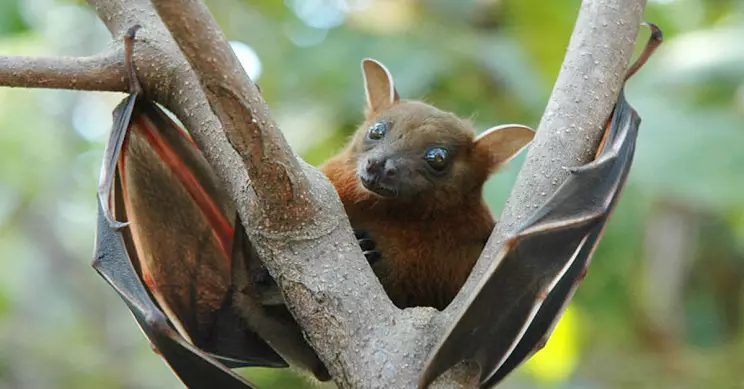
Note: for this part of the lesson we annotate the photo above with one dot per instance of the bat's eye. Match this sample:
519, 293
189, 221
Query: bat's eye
436, 157
377, 131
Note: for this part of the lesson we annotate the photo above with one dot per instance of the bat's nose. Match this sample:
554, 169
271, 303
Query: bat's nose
380, 167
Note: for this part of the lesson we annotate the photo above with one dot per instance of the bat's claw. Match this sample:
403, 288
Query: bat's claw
134, 84
656, 32
359, 233
372, 256
368, 246
262, 278
115, 224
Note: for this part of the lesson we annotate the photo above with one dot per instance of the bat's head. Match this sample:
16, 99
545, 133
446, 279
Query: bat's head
410, 150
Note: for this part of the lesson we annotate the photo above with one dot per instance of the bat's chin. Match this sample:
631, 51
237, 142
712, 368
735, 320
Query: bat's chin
381, 189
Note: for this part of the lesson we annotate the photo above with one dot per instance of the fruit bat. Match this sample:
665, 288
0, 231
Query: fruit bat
165, 243
520, 298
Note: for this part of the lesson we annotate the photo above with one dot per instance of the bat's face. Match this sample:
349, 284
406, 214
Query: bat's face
413, 150
416, 154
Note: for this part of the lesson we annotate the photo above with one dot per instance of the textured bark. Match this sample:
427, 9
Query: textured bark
103, 72
291, 212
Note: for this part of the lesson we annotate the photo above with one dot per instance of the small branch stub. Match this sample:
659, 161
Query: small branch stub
102, 72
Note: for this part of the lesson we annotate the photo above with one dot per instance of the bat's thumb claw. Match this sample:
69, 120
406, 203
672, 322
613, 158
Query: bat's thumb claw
115, 224
132, 31
656, 32
569, 169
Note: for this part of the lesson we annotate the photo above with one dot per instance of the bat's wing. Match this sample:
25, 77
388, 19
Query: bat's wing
525, 291
178, 238
165, 245
195, 368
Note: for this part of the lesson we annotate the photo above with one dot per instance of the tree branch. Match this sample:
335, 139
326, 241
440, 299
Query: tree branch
583, 97
102, 72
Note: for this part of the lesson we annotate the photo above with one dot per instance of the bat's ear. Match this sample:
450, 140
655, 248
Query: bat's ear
499, 144
379, 86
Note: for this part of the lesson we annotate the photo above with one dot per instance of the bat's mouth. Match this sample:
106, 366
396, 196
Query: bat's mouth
373, 184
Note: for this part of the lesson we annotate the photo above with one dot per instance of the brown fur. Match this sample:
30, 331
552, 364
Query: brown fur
430, 234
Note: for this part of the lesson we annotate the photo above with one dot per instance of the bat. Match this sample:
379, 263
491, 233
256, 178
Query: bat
173, 260
520, 298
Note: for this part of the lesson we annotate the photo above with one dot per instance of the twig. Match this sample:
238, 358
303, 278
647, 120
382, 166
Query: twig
102, 72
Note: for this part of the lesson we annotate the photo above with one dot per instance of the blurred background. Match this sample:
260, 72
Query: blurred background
663, 303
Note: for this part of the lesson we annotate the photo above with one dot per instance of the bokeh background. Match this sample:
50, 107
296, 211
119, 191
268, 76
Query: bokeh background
661, 307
